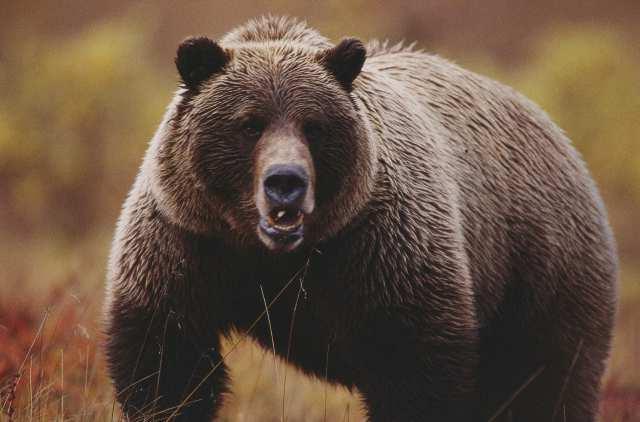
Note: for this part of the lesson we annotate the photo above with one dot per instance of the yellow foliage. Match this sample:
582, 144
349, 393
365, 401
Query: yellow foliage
588, 81
74, 122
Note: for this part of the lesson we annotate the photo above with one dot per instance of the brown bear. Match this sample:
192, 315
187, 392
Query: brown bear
420, 233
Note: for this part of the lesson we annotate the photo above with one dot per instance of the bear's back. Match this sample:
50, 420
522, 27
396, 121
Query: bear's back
527, 204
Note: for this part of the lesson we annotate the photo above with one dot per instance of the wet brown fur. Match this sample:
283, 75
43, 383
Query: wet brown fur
458, 251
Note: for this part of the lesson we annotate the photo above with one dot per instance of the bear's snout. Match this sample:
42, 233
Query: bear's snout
284, 189
286, 185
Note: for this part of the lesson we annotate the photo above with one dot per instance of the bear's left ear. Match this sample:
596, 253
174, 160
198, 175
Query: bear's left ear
199, 58
344, 61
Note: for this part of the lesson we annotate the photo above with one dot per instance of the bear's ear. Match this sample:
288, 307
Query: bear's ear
199, 58
344, 61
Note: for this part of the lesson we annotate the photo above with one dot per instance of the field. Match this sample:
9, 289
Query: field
52, 368
79, 101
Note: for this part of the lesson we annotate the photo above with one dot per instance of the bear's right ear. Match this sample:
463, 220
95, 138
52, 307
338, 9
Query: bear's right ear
199, 58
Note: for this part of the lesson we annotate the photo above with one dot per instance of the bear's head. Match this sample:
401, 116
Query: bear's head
265, 141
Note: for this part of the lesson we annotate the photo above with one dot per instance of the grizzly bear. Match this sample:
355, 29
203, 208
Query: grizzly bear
420, 233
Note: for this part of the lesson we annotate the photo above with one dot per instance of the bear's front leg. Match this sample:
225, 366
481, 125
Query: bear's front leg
162, 319
417, 367
162, 366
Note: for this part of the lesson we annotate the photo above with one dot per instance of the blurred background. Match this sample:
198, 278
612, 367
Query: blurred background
83, 86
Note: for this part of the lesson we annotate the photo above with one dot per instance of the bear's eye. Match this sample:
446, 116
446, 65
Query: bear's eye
314, 131
253, 128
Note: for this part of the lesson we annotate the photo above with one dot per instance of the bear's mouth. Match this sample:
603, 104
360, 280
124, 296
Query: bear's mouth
285, 220
282, 228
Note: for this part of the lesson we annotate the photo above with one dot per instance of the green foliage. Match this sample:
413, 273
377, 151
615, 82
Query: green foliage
74, 121
588, 81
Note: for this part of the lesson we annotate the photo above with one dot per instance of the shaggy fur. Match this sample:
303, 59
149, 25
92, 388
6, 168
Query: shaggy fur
458, 252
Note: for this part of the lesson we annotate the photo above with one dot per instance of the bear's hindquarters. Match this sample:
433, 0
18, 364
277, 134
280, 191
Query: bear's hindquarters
543, 361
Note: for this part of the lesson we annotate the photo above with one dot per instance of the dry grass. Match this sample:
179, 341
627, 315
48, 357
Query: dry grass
51, 369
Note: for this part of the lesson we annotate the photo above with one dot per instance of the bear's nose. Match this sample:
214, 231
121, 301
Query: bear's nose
285, 185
